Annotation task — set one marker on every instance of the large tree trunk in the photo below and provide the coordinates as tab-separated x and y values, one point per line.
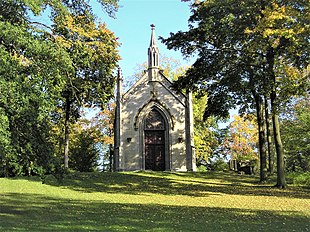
111	157
67	120
261	137
269	151
281	182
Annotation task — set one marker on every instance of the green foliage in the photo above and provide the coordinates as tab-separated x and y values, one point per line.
241	46
29	78
204	131
201	168
5	142
298	178
84	154
296	136
93	52
218	165
34	70
247	50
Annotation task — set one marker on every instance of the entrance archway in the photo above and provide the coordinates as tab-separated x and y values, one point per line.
154	141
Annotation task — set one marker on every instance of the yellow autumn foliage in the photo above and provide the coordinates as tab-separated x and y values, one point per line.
244	137
89	37
271	24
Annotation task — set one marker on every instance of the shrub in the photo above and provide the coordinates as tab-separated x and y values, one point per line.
218	165
298	178
201	168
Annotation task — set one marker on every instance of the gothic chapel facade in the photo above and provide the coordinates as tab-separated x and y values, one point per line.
153	123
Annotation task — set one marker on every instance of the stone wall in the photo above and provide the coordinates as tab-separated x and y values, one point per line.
135	104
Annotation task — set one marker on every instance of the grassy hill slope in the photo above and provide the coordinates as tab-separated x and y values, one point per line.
150	201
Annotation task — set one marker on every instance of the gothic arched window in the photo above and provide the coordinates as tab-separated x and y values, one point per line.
154	121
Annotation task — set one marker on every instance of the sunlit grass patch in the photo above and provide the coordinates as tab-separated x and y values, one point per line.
151	201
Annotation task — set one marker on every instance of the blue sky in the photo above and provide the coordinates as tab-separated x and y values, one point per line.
132	26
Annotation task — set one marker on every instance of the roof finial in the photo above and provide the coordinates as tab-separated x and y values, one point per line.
153	39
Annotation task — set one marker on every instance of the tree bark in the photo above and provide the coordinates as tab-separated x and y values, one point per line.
261	137
281	182
67	120
270	153
111	157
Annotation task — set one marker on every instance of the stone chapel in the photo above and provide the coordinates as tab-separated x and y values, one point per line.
153	123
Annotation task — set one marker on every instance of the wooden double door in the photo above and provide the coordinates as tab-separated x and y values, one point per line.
155	150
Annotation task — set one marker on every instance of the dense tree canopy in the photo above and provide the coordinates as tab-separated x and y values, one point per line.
296	135
93	53
247	50
40	65
84	153
206	133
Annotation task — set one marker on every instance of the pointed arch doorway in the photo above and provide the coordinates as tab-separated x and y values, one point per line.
155	130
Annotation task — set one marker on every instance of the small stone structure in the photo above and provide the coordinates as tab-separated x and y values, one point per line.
242	166
153	123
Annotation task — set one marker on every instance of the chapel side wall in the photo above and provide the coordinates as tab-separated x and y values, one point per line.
131	150
130	145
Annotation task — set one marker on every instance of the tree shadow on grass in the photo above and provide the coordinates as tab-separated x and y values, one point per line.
31	212
190	184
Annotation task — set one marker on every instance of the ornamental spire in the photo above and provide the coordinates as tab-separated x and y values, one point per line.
153	51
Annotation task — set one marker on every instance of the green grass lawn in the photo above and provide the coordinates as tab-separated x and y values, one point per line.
149	201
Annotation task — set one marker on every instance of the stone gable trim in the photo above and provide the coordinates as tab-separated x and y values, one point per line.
140	81
173	94
178	95
170	83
